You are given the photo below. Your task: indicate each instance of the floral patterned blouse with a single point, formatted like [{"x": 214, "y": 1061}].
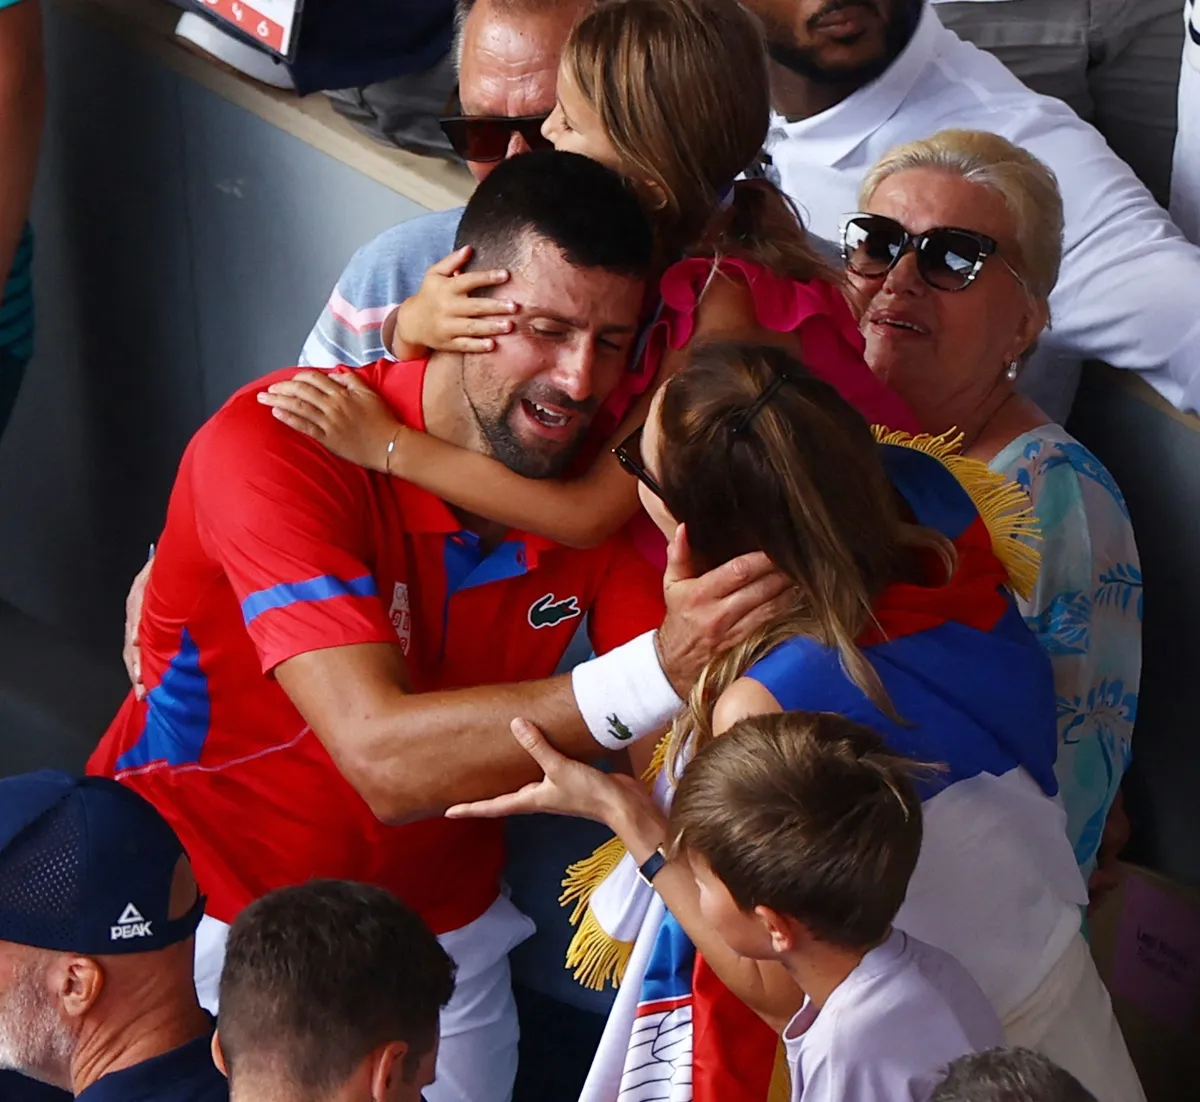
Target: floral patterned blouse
[{"x": 1087, "y": 612}]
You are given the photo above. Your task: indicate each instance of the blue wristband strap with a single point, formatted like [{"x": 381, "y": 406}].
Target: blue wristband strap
[{"x": 652, "y": 866}]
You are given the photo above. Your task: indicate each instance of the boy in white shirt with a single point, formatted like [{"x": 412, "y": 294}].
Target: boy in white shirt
[{"x": 803, "y": 830}]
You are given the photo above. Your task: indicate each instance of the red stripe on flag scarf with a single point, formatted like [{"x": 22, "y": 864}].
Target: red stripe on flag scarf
[{"x": 733, "y": 1049}]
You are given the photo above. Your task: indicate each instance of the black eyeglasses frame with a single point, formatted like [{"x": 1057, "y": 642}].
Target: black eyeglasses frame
[
  {"x": 917, "y": 243},
  {"x": 456, "y": 128},
  {"x": 632, "y": 463}
]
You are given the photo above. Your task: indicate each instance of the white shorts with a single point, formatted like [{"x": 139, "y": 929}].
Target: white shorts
[
  {"x": 477, "y": 1057},
  {"x": 1070, "y": 1019}
]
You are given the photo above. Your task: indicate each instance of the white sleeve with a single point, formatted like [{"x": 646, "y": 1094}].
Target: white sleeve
[
  {"x": 1129, "y": 290},
  {"x": 1185, "y": 174}
]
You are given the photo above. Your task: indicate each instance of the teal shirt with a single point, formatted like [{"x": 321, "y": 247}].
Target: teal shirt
[
  {"x": 16, "y": 305},
  {"x": 1087, "y": 612}
]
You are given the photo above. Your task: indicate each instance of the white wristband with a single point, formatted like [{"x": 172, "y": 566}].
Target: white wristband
[{"x": 623, "y": 695}]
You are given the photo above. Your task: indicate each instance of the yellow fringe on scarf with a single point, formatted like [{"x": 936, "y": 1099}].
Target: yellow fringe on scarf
[
  {"x": 658, "y": 760},
  {"x": 1002, "y": 504},
  {"x": 597, "y": 957}
]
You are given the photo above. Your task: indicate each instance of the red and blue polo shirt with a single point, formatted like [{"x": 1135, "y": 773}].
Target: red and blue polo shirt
[{"x": 274, "y": 547}]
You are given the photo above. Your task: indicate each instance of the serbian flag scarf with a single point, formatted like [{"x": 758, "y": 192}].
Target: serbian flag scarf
[{"x": 675, "y": 1033}]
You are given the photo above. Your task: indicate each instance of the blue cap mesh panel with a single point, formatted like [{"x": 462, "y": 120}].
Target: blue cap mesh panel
[{"x": 41, "y": 880}]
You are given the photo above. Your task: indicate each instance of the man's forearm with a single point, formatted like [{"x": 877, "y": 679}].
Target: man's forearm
[
  {"x": 444, "y": 748},
  {"x": 411, "y": 755}
]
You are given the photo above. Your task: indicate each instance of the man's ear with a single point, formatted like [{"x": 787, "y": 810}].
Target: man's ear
[
  {"x": 387, "y": 1070},
  {"x": 785, "y": 933},
  {"x": 77, "y": 983},
  {"x": 218, "y": 1057}
]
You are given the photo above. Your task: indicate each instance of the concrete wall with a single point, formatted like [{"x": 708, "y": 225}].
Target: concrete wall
[{"x": 184, "y": 247}]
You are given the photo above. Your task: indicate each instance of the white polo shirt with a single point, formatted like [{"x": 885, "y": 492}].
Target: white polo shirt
[
  {"x": 1185, "y": 175},
  {"x": 888, "y": 1030},
  {"x": 1128, "y": 289}
]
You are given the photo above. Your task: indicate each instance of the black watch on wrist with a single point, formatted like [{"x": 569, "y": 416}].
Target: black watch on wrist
[{"x": 652, "y": 866}]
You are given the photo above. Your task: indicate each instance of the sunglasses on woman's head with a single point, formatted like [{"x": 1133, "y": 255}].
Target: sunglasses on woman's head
[
  {"x": 629, "y": 455},
  {"x": 948, "y": 258},
  {"x": 485, "y": 138}
]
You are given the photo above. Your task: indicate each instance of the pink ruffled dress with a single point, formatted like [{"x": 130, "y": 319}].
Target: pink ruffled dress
[{"x": 831, "y": 347}]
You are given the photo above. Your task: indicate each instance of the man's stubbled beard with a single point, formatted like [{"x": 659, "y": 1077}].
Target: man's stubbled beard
[
  {"x": 33, "y": 1039},
  {"x": 504, "y": 444},
  {"x": 803, "y": 60}
]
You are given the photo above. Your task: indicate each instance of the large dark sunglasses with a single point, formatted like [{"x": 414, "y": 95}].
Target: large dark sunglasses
[
  {"x": 948, "y": 258},
  {"x": 486, "y": 137},
  {"x": 629, "y": 455}
]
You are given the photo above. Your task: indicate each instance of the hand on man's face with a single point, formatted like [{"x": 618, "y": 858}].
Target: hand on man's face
[{"x": 534, "y": 396}]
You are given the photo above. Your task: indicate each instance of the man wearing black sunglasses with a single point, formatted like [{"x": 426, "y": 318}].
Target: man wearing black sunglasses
[
  {"x": 853, "y": 79},
  {"x": 507, "y": 54}
]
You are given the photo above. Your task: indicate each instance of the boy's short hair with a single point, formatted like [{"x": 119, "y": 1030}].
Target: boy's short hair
[
  {"x": 808, "y": 814},
  {"x": 1009, "y": 1075},
  {"x": 319, "y": 975},
  {"x": 587, "y": 210}
]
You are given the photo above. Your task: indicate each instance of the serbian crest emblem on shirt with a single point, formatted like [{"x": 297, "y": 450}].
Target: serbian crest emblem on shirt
[{"x": 401, "y": 616}]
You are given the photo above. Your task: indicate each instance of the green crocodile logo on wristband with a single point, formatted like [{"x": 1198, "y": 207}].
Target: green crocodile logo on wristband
[
  {"x": 617, "y": 729},
  {"x": 546, "y": 612}
]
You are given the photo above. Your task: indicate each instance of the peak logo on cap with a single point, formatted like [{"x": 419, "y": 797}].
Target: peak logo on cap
[{"x": 130, "y": 924}]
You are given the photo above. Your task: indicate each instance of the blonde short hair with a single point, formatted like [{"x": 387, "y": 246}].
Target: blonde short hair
[{"x": 1028, "y": 187}]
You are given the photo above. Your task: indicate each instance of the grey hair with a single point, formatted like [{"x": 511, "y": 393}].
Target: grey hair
[
  {"x": 1009, "y": 1075},
  {"x": 462, "y": 8},
  {"x": 1028, "y": 187}
]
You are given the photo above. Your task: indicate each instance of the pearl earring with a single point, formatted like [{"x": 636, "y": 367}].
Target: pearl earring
[{"x": 1011, "y": 373}]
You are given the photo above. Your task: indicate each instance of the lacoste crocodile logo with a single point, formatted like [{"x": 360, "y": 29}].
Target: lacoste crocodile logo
[
  {"x": 617, "y": 729},
  {"x": 546, "y": 612}
]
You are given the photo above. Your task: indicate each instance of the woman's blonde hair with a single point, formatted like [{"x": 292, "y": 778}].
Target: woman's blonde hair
[
  {"x": 1028, "y": 188},
  {"x": 801, "y": 480},
  {"x": 682, "y": 91}
]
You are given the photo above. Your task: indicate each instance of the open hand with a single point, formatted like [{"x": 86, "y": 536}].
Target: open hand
[
  {"x": 339, "y": 410},
  {"x": 711, "y": 613},
  {"x": 445, "y": 316},
  {"x": 568, "y": 787},
  {"x": 131, "y": 653}
]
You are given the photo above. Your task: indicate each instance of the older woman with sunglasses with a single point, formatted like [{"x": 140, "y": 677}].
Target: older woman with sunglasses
[{"x": 952, "y": 261}]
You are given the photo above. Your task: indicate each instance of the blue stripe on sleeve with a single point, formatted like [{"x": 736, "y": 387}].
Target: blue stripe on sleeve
[{"x": 323, "y": 588}]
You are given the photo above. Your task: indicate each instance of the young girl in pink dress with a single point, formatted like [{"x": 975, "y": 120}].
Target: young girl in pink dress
[{"x": 674, "y": 95}]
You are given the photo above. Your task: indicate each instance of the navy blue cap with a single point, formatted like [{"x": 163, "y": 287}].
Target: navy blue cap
[{"x": 86, "y": 867}]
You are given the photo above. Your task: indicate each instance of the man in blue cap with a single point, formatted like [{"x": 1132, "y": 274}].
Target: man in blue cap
[{"x": 98, "y": 911}]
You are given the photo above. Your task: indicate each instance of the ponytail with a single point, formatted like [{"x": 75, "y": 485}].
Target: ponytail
[{"x": 762, "y": 225}]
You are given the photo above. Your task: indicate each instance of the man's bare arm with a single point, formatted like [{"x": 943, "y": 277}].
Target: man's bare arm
[{"x": 412, "y": 755}]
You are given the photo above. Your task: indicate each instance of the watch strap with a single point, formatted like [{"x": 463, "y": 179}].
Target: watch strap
[{"x": 652, "y": 866}]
